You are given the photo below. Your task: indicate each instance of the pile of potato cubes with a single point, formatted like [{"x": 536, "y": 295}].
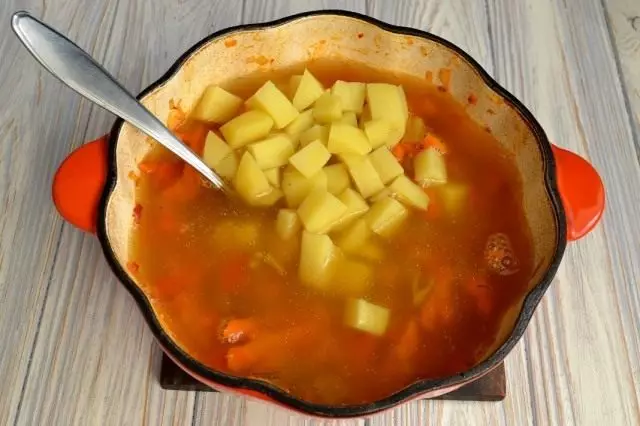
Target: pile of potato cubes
[{"x": 327, "y": 153}]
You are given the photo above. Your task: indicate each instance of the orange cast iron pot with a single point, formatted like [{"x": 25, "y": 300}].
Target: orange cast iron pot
[{"x": 563, "y": 194}]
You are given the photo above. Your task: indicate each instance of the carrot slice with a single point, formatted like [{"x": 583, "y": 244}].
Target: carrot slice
[
  {"x": 399, "y": 152},
  {"x": 434, "y": 142},
  {"x": 186, "y": 189},
  {"x": 239, "y": 330},
  {"x": 193, "y": 136},
  {"x": 407, "y": 347}
]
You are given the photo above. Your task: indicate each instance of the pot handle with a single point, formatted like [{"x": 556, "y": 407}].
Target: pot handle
[
  {"x": 79, "y": 182},
  {"x": 581, "y": 190}
]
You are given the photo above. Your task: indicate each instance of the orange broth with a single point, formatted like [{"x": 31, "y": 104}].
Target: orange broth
[{"x": 201, "y": 258}]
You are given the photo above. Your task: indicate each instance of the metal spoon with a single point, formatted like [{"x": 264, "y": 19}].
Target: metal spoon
[{"x": 74, "y": 67}]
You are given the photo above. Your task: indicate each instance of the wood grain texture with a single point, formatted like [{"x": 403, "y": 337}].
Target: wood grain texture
[
  {"x": 624, "y": 27},
  {"x": 75, "y": 350}
]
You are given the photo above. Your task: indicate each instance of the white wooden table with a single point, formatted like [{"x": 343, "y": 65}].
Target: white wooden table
[{"x": 74, "y": 350}]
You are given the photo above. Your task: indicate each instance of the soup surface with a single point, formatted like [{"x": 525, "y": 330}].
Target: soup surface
[{"x": 335, "y": 309}]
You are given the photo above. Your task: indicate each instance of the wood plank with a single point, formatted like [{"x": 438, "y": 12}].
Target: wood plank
[
  {"x": 39, "y": 122},
  {"x": 624, "y": 27},
  {"x": 95, "y": 361},
  {"x": 567, "y": 75}
]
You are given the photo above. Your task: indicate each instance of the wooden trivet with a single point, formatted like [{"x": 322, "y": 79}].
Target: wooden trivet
[{"x": 491, "y": 387}]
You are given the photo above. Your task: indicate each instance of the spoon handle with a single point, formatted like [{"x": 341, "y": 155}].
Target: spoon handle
[{"x": 74, "y": 67}]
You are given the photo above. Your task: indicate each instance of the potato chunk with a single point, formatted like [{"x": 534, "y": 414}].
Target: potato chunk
[
  {"x": 317, "y": 132},
  {"x": 344, "y": 138},
  {"x": 302, "y": 123},
  {"x": 385, "y": 216},
  {"x": 430, "y": 168},
  {"x": 416, "y": 129},
  {"x": 352, "y": 277},
  {"x": 216, "y": 105},
  {"x": 250, "y": 181},
  {"x": 272, "y": 152},
  {"x": 388, "y": 102},
  {"x": 327, "y": 109},
  {"x": 354, "y": 237},
  {"x": 271, "y": 100},
  {"x": 215, "y": 150},
  {"x": 294, "y": 82},
  {"x": 317, "y": 260},
  {"x": 287, "y": 224},
  {"x": 307, "y": 92},
  {"x": 296, "y": 187},
  {"x": 349, "y": 118},
  {"x": 454, "y": 197},
  {"x": 365, "y": 176},
  {"x": 351, "y": 95},
  {"x": 246, "y": 128},
  {"x": 356, "y": 207},
  {"x": 320, "y": 211},
  {"x": 409, "y": 193},
  {"x": 385, "y": 164},
  {"x": 367, "y": 317},
  {"x": 228, "y": 166},
  {"x": 378, "y": 132},
  {"x": 337, "y": 178},
  {"x": 269, "y": 198},
  {"x": 273, "y": 176},
  {"x": 310, "y": 159}
]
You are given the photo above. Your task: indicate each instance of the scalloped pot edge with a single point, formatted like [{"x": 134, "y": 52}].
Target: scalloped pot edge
[{"x": 83, "y": 194}]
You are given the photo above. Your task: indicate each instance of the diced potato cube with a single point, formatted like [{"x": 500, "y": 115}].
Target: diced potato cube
[
  {"x": 327, "y": 109},
  {"x": 344, "y": 138},
  {"x": 268, "y": 199},
  {"x": 365, "y": 116},
  {"x": 454, "y": 197},
  {"x": 272, "y": 152},
  {"x": 287, "y": 224},
  {"x": 302, "y": 122},
  {"x": 273, "y": 176},
  {"x": 316, "y": 133},
  {"x": 296, "y": 187},
  {"x": 416, "y": 129},
  {"x": 228, "y": 166},
  {"x": 246, "y": 128},
  {"x": 215, "y": 149},
  {"x": 349, "y": 159},
  {"x": 378, "y": 132},
  {"x": 271, "y": 100},
  {"x": 356, "y": 207},
  {"x": 337, "y": 178},
  {"x": 365, "y": 176},
  {"x": 395, "y": 136},
  {"x": 294, "y": 82},
  {"x": 308, "y": 91},
  {"x": 216, "y": 106},
  {"x": 386, "y": 192},
  {"x": 351, "y": 95},
  {"x": 240, "y": 233},
  {"x": 371, "y": 251},
  {"x": 320, "y": 211},
  {"x": 430, "y": 168},
  {"x": 349, "y": 118},
  {"x": 352, "y": 277},
  {"x": 317, "y": 260},
  {"x": 385, "y": 164},
  {"x": 310, "y": 159},
  {"x": 250, "y": 181},
  {"x": 367, "y": 317},
  {"x": 385, "y": 216},
  {"x": 352, "y": 239},
  {"x": 388, "y": 102},
  {"x": 409, "y": 193}
]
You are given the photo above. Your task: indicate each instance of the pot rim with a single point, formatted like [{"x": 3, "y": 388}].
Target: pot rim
[{"x": 409, "y": 392}]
